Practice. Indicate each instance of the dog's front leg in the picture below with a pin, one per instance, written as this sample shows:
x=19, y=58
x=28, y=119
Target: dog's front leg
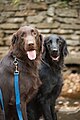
x=46, y=110
x=53, y=103
x=24, y=110
x=53, y=112
x=2, y=115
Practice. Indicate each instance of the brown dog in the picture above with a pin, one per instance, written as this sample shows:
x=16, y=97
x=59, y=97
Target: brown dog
x=26, y=47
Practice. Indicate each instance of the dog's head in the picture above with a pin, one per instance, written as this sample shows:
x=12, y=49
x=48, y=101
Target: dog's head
x=28, y=41
x=56, y=47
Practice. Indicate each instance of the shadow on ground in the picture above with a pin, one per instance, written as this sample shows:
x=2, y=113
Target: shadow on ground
x=68, y=109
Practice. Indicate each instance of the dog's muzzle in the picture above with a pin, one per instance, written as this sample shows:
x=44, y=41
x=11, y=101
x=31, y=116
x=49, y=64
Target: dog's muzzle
x=55, y=55
x=31, y=52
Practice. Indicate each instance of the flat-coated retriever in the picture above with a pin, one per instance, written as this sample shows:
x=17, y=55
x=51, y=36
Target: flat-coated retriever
x=55, y=49
x=26, y=47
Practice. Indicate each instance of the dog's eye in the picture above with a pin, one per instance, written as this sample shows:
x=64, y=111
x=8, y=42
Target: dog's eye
x=33, y=32
x=50, y=41
x=60, y=42
x=48, y=44
x=23, y=34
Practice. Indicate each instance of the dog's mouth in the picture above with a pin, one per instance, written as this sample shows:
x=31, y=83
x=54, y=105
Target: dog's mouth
x=55, y=57
x=31, y=54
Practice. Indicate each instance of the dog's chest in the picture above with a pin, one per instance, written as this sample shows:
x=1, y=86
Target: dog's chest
x=50, y=79
x=26, y=88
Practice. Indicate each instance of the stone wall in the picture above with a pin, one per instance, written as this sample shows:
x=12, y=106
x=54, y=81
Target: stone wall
x=49, y=16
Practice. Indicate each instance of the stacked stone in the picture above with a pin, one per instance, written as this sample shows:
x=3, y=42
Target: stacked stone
x=48, y=16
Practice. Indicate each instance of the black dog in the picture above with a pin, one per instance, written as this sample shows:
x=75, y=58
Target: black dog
x=50, y=75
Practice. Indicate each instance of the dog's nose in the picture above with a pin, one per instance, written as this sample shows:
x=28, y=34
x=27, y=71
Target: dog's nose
x=55, y=50
x=31, y=44
x=30, y=40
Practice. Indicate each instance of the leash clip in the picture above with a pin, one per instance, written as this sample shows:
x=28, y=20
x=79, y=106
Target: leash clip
x=16, y=64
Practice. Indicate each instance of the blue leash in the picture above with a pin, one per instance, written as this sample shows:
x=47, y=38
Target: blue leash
x=17, y=92
x=2, y=105
x=1, y=101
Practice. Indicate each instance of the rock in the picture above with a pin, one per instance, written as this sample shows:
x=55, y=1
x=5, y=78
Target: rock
x=9, y=32
x=62, y=31
x=70, y=26
x=50, y=1
x=49, y=20
x=38, y=6
x=1, y=42
x=47, y=25
x=9, y=14
x=67, y=12
x=7, y=40
x=1, y=34
x=67, y=20
x=77, y=32
x=1, y=7
x=11, y=7
x=15, y=20
x=73, y=58
x=9, y=26
x=3, y=51
x=36, y=19
x=73, y=42
x=50, y=11
x=2, y=19
x=54, y=31
x=44, y=31
x=76, y=103
x=75, y=37
x=25, y=13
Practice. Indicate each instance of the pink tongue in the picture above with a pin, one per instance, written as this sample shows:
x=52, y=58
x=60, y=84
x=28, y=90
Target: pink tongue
x=31, y=54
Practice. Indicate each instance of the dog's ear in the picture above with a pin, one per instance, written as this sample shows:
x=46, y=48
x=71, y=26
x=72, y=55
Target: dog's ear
x=41, y=42
x=65, y=50
x=44, y=47
x=14, y=39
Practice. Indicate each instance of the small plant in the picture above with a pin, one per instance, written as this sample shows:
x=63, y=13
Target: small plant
x=67, y=0
x=15, y=1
